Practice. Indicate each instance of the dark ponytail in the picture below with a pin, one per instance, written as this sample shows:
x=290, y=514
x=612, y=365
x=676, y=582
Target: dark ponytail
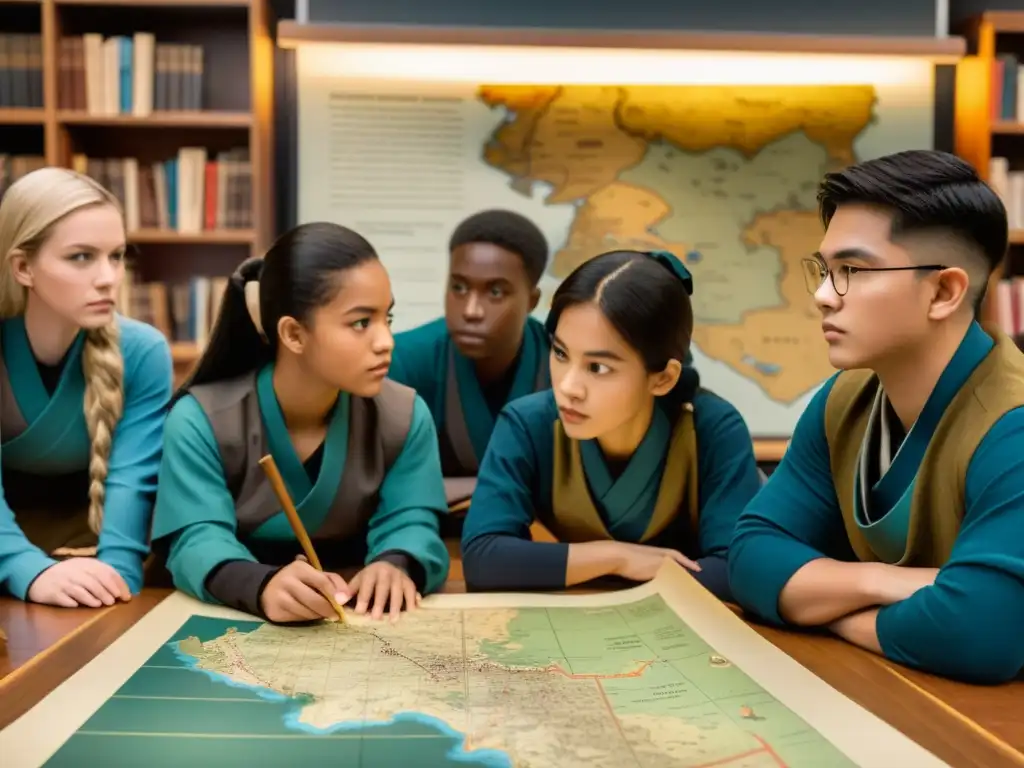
x=298, y=275
x=236, y=346
x=646, y=297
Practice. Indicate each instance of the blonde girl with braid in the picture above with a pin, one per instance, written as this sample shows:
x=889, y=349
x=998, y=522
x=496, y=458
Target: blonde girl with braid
x=83, y=397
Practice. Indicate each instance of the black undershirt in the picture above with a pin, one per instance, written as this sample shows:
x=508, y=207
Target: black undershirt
x=50, y=374
x=314, y=462
x=496, y=392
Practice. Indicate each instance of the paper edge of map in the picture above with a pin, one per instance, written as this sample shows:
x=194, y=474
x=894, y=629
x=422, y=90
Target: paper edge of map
x=866, y=739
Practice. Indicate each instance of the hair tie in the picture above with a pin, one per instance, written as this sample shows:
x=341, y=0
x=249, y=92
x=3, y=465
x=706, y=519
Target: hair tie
x=252, y=303
x=676, y=267
x=247, y=279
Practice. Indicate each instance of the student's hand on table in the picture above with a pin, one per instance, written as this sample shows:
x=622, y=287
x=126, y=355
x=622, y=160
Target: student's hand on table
x=895, y=583
x=386, y=585
x=640, y=562
x=79, y=581
x=296, y=593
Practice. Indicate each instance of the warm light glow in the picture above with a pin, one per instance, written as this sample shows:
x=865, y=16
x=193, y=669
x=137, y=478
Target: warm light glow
x=606, y=66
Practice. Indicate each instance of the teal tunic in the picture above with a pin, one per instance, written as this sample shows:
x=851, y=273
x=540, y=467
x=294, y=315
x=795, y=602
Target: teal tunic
x=464, y=411
x=45, y=452
x=886, y=472
x=197, y=519
x=967, y=625
x=514, y=488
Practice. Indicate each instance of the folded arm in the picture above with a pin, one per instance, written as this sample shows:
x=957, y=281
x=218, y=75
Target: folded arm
x=497, y=550
x=790, y=560
x=135, y=464
x=405, y=529
x=968, y=625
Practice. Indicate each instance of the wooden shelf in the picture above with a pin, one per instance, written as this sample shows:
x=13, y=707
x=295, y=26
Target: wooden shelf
x=768, y=449
x=974, y=128
x=1004, y=21
x=1007, y=127
x=159, y=3
x=22, y=115
x=184, y=352
x=291, y=33
x=207, y=237
x=237, y=93
x=160, y=120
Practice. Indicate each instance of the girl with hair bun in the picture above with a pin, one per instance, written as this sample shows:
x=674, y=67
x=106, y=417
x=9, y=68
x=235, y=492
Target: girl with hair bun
x=83, y=398
x=625, y=460
x=296, y=368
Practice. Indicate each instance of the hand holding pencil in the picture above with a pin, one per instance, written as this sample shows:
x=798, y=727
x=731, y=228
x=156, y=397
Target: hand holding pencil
x=301, y=591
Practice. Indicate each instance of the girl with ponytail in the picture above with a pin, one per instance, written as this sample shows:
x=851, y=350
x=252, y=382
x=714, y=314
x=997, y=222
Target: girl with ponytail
x=83, y=396
x=296, y=369
x=625, y=460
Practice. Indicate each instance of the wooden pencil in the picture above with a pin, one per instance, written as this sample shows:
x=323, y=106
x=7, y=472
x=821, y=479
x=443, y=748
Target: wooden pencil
x=277, y=483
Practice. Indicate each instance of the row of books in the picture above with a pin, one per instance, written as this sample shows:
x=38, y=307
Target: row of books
x=123, y=75
x=13, y=167
x=190, y=193
x=182, y=311
x=1007, y=99
x=1009, y=185
x=21, y=71
x=1010, y=305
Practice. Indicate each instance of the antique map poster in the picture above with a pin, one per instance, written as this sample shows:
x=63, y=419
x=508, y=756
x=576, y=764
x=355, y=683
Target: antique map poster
x=661, y=675
x=723, y=176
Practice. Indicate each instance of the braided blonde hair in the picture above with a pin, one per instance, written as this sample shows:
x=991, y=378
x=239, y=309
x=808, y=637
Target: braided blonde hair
x=31, y=208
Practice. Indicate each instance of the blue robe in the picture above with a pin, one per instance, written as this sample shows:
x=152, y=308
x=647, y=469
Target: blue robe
x=45, y=452
x=969, y=624
x=217, y=534
x=515, y=487
x=465, y=412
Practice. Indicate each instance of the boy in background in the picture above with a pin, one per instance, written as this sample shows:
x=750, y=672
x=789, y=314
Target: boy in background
x=487, y=350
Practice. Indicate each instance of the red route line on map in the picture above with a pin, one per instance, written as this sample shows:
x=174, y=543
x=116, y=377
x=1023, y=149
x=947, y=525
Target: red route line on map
x=765, y=748
x=557, y=668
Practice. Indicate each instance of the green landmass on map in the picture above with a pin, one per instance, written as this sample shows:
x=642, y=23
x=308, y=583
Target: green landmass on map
x=630, y=686
x=725, y=177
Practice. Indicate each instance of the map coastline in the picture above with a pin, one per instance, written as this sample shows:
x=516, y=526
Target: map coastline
x=486, y=758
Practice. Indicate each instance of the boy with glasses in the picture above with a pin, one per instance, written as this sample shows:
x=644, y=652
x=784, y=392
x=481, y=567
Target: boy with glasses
x=896, y=517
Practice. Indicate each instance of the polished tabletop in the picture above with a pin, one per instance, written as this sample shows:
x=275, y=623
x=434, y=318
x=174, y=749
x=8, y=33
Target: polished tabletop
x=966, y=726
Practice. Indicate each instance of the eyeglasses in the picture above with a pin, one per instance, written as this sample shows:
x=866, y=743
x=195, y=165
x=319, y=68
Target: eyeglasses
x=815, y=273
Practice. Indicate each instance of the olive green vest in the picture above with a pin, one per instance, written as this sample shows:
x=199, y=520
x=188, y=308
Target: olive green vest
x=378, y=427
x=575, y=517
x=937, y=504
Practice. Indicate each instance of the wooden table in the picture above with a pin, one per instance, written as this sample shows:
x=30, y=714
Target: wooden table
x=966, y=726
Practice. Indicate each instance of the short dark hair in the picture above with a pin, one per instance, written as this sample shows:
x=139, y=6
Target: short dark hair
x=297, y=275
x=925, y=189
x=645, y=302
x=508, y=230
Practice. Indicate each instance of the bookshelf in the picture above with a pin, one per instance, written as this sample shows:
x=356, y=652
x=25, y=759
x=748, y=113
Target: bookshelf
x=989, y=133
x=168, y=103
